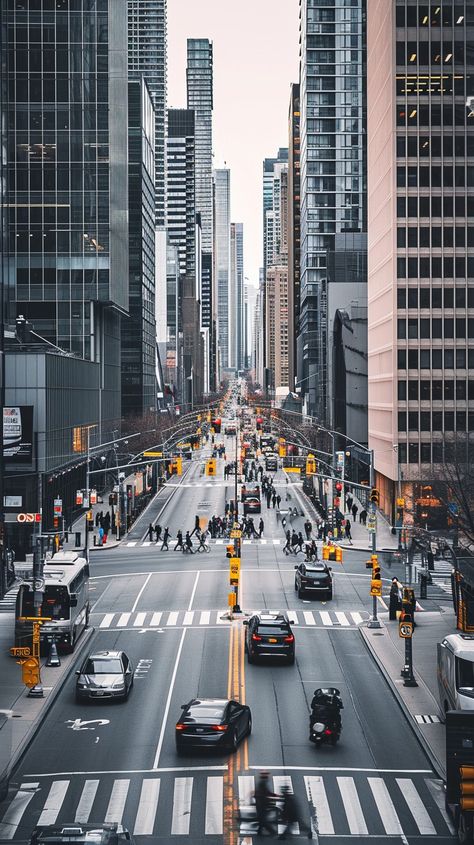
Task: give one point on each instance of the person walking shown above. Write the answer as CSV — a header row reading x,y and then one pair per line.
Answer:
x,y
263,804
287,548
196,525
349,501
260,527
363,517
150,532
278,500
179,544
157,532
269,497
202,541
307,528
354,510
294,541
300,541
188,543
166,537
347,530
274,498
101,535
290,814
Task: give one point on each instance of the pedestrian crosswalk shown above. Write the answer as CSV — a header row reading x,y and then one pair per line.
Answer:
x,y
441,576
185,803
219,541
209,618
7,604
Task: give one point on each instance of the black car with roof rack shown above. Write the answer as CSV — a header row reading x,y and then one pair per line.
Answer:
x,y
269,634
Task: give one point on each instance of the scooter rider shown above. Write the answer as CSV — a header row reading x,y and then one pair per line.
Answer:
x,y
326,707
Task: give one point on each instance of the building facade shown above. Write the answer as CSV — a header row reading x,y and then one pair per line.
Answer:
x,y
236,292
139,329
222,265
147,57
421,273
333,173
276,328
294,233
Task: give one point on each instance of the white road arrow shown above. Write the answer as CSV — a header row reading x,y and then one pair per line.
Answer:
x,y
79,725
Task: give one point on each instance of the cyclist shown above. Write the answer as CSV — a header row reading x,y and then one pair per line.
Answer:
x,y
203,546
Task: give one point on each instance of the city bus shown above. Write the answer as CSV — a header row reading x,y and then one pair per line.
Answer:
x,y
65,601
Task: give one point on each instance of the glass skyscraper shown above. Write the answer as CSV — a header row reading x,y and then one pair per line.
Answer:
x,y
222,262
147,45
199,85
333,171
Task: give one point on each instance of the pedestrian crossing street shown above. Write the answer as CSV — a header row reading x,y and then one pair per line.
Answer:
x,y
220,541
211,618
7,604
163,804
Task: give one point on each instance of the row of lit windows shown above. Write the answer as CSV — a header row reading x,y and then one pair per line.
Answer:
x,y
434,52
452,114
435,390
433,359
438,14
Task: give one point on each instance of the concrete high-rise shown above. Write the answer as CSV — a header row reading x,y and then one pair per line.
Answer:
x,y
222,265
333,189
236,295
147,56
294,231
421,225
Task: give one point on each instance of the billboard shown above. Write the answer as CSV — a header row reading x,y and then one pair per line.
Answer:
x,y
18,433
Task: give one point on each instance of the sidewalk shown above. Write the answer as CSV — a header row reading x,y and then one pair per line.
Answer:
x,y
420,703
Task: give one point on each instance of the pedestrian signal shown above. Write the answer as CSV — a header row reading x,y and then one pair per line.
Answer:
x,y
466,787
30,674
376,587
211,466
229,550
374,561
311,467
375,496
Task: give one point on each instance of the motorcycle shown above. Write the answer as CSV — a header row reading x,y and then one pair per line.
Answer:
x,y
321,733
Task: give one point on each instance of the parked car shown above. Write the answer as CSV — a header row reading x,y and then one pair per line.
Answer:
x,y
269,634
212,723
105,674
313,579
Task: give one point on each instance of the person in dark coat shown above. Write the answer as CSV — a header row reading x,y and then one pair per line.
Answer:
x,y
290,814
157,532
166,537
354,510
260,527
347,530
307,528
263,804
150,532
363,517
196,525
179,543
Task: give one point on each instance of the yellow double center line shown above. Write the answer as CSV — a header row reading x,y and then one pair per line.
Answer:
x,y
239,760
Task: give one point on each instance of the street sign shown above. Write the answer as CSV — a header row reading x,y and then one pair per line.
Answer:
x,y
152,454
28,517
58,507
234,570
400,503
20,651
405,630
235,534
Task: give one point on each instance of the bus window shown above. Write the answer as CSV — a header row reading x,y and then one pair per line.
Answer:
x,y
55,602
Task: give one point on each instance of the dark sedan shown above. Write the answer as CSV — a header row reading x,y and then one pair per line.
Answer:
x,y
313,579
104,674
212,723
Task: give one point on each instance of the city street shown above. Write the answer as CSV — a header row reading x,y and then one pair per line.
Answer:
x,y
167,611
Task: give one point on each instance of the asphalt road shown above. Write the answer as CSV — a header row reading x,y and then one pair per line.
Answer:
x,y
118,762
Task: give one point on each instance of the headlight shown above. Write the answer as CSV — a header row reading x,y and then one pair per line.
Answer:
x,y
118,684
81,684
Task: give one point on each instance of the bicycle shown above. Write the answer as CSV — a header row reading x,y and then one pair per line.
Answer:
x,y
205,547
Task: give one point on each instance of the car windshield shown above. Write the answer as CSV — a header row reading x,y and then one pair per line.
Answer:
x,y
206,712
269,630
102,666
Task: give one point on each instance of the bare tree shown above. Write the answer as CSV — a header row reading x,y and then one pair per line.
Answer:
x,y
454,485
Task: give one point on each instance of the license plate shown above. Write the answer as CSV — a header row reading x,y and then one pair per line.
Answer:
x,y
199,730
272,640
100,692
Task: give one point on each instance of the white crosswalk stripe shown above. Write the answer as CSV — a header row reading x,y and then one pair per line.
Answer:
x,y
8,603
195,804
200,618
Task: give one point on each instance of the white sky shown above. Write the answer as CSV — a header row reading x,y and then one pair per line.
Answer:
x,y
255,61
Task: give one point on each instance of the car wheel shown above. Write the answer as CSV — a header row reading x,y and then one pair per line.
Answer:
x,y
296,585
249,727
300,593
234,742
291,660
329,595
250,657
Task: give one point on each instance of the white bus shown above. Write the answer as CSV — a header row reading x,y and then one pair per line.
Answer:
x,y
65,601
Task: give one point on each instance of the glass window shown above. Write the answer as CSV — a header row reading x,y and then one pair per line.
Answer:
x,y
460,421
435,237
425,453
436,327
412,237
402,421
437,420
461,359
448,297
424,328
412,329
460,389
413,297
402,359
401,329
424,236
401,298
412,389
437,389
402,390
413,421
449,327
425,359
425,389
424,298
449,359
449,389
449,420
413,453
413,359
448,236
425,422
436,359
401,237
460,327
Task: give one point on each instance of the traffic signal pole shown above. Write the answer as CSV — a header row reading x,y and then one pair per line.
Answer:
x,y
374,622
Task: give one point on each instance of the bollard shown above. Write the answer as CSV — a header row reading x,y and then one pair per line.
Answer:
x,y
95,540
78,539
53,658
66,536
423,585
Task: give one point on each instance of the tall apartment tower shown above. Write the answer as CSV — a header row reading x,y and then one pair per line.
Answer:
x,y
333,193
421,224
237,295
222,264
294,231
147,56
68,181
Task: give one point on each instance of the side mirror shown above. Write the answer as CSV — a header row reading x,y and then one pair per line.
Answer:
x,y
73,600
78,672
183,706
245,622
296,567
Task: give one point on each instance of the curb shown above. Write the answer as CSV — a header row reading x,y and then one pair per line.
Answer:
x,y
437,765
27,740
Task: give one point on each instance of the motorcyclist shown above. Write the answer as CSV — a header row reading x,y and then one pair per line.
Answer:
x,y
326,707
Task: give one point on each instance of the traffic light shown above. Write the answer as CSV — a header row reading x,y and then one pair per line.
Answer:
x,y
375,496
30,674
372,563
311,465
229,550
217,425
466,787
211,466
338,487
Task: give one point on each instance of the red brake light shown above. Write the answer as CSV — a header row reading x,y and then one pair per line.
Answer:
x,y
289,639
180,727
256,638
219,727
328,732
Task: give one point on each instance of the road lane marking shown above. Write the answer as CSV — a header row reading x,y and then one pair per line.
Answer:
x,y
140,620
173,618
214,820
205,617
16,809
54,801
107,620
168,700
246,790
275,543
117,801
325,617
145,819
342,618
196,581
385,807
132,543
220,614
123,620
86,801
308,617
156,619
292,617
140,593
279,782
183,790
188,617
416,806
357,617
352,807
318,799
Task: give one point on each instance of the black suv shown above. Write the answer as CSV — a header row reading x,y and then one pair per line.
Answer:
x,y
313,578
269,634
